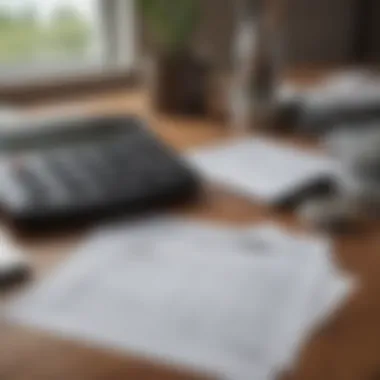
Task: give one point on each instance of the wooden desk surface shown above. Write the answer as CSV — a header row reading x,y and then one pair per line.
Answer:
x,y
348,348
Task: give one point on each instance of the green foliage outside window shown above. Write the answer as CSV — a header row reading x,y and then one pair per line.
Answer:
x,y
24,38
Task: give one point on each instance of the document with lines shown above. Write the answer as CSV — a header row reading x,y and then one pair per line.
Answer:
x,y
228,302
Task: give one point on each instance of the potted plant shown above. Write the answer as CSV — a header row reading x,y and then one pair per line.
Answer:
x,y
179,79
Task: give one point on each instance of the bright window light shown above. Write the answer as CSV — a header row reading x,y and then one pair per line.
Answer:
x,y
59,35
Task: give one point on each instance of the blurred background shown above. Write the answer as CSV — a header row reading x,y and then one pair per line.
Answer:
x,y
67,35
36,34
45,42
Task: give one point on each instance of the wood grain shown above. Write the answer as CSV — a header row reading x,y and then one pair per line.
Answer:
x,y
347,348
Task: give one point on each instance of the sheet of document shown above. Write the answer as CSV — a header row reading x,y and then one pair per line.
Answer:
x,y
219,300
261,169
332,287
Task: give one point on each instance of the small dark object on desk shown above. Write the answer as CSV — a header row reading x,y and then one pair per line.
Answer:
x,y
286,115
14,268
14,276
322,187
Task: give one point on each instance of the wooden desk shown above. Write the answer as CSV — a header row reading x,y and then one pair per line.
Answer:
x,y
347,349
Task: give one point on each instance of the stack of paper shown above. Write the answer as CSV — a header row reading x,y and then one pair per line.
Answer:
x,y
262,169
235,303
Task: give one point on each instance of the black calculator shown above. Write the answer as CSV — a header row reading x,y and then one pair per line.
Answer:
x,y
75,170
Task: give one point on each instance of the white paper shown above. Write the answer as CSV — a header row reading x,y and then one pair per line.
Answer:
x,y
185,293
332,286
261,169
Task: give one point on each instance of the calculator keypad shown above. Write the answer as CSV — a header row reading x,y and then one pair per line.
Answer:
x,y
125,169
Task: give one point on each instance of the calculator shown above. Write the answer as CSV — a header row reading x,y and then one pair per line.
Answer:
x,y
66,171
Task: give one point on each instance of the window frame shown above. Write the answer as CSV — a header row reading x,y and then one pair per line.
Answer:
x,y
112,34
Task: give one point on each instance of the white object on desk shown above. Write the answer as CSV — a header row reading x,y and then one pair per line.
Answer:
x,y
190,294
260,168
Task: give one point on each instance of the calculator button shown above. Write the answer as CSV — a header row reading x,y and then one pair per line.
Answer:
x,y
99,168
45,184
73,177
12,192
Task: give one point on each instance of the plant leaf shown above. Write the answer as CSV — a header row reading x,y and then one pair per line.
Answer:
x,y
171,21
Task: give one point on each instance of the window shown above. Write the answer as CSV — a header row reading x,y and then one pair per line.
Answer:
x,y
38,37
